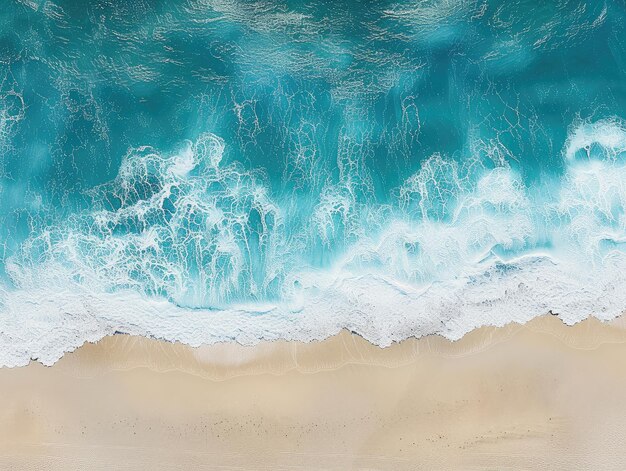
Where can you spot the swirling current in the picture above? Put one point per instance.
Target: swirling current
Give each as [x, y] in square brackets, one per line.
[226, 170]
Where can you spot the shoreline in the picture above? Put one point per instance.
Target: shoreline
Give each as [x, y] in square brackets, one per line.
[543, 395]
[618, 320]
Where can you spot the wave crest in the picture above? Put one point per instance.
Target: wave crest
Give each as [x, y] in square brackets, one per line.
[460, 245]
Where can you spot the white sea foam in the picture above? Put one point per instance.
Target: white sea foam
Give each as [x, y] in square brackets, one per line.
[43, 322]
[181, 239]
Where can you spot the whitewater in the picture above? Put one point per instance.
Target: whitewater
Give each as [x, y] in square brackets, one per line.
[216, 171]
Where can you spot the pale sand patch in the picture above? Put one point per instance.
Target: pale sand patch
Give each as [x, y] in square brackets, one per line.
[539, 396]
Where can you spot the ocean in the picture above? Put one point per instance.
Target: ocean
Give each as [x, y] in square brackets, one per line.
[224, 170]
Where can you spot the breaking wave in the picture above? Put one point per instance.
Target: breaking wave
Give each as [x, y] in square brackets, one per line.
[184, 247]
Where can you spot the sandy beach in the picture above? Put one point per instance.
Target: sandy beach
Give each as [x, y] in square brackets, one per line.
[538, 396]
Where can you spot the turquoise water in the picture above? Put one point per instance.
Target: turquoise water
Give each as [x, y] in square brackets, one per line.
[207, 170]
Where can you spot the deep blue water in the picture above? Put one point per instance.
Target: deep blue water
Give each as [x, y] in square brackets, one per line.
[222, 153]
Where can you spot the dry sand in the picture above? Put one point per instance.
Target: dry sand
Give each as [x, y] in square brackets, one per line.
[539, 396]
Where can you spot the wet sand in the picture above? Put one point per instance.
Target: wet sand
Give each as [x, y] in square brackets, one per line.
[538, 396]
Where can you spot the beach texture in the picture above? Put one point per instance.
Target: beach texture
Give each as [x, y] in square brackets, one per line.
[537, 396]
